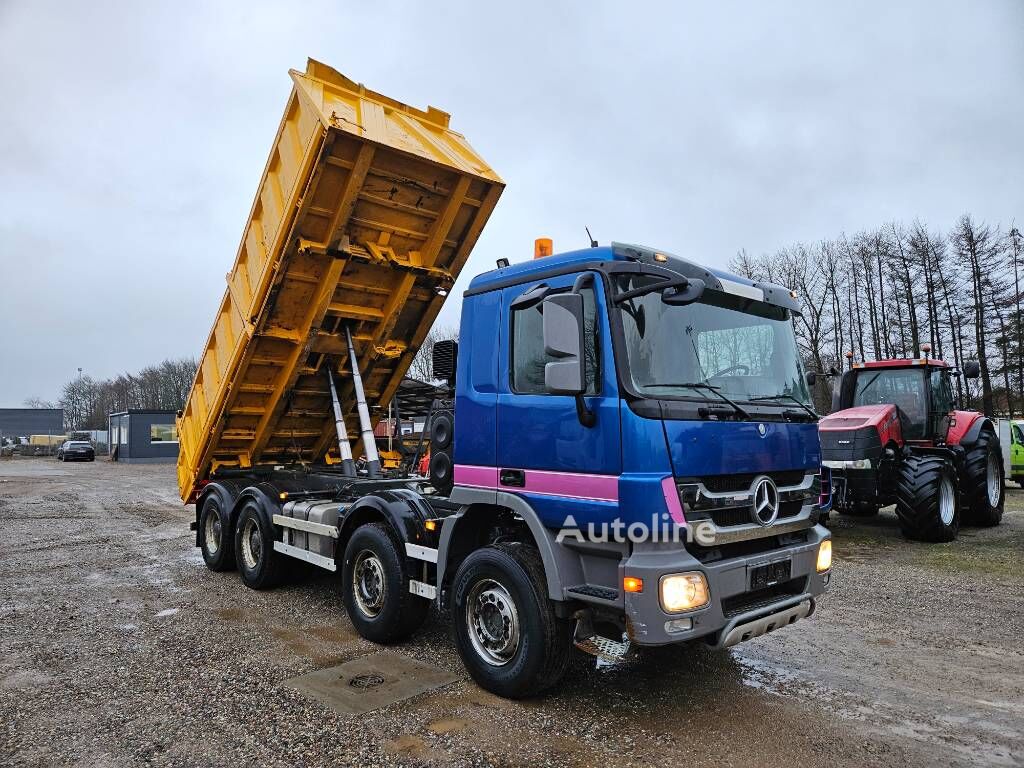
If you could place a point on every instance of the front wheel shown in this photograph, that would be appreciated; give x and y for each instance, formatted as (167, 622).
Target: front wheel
(926, 499)
(984, 494)
(504, 625)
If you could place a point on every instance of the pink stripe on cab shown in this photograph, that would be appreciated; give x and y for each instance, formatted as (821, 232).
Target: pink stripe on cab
(480, 477)
(574, 485)
(672, 501)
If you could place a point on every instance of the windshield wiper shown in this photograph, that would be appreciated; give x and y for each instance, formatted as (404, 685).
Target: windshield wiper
(810, 411)
(712, 388)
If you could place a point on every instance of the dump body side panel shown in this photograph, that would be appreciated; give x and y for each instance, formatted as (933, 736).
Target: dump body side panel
(366, 213)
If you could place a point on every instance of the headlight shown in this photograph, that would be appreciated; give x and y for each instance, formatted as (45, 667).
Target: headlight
(824, 555)
(684, 592)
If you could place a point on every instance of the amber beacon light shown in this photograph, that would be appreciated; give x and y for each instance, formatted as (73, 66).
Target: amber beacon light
(542, 247)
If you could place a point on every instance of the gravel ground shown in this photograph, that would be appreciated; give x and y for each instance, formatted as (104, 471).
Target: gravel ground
(118, 647)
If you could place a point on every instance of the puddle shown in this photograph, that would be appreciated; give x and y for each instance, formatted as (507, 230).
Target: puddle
(441, 727)
(371, 682)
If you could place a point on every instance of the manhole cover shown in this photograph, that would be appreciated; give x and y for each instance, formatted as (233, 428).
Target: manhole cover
(366, 681)
(371, 682)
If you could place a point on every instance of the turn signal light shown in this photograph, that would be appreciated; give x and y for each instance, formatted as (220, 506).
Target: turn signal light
(430, 525)
(632, 584)
(824, 555)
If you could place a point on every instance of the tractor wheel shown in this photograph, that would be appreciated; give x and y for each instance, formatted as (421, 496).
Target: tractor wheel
(926, 498)
(983, 492)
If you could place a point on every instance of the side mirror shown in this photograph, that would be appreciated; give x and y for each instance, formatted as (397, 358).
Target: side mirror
(680, 295)
(563, 340)
(972, 369)
(810, 377)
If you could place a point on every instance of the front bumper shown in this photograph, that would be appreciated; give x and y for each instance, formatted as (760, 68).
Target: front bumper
(737, 611)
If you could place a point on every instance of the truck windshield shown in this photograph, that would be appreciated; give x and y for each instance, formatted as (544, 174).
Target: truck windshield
(744, 348)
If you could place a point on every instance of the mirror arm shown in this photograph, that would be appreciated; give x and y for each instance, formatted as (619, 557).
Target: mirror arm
(586, 416)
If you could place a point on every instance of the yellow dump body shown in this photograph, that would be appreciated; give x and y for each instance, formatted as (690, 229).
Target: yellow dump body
(366, 213)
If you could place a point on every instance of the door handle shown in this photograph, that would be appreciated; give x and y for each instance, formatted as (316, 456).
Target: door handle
(513, 477)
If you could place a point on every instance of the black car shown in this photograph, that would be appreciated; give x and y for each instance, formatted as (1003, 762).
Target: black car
(76, 450)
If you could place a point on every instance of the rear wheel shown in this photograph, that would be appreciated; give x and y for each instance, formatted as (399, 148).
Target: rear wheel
(214, 539)
(983, 490)
(258, 564)
(926, 499)
(375, 587)
(505, 627)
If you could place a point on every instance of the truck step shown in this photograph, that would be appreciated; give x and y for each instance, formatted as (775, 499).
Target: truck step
(591, 590)
(605, 649)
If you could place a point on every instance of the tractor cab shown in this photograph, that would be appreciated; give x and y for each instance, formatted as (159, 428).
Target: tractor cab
(920, 390)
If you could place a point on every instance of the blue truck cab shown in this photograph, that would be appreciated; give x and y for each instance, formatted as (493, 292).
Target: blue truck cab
(648, 421)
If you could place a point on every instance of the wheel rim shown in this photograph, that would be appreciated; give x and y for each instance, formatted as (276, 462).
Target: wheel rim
(368, 583)
(211, 533)
(252, 544)
(992, 479)
(493, 622)
(947, 503)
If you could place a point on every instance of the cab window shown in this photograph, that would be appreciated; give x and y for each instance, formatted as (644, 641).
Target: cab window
(942, 393)
(529, 358)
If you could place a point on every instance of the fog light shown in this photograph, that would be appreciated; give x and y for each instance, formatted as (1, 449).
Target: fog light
(824, 555)
(679, 625)
(684, 592)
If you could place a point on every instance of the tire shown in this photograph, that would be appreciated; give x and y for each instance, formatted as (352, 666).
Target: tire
(983, 464)
(214, 541)
(926, 499)
(375, 587)
(258, 564)
(508, 581)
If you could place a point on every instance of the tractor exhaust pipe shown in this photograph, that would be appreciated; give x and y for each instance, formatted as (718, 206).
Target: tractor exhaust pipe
(348, 467)
(369, 441)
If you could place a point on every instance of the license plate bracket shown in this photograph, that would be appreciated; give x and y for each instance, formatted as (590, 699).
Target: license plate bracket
(769, 574)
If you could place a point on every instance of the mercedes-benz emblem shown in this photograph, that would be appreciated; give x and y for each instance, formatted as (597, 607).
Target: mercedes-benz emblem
(762, 430)
(765, 508)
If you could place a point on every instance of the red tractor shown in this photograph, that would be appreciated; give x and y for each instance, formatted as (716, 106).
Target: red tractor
(894, 437)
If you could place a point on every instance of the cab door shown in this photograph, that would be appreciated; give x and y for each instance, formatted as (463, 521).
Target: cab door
(941, 405)
(545, 453)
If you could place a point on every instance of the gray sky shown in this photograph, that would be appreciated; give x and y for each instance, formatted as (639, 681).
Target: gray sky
(133, 135)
